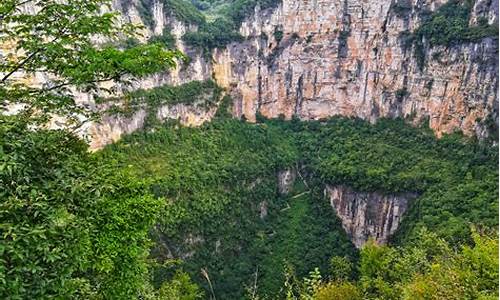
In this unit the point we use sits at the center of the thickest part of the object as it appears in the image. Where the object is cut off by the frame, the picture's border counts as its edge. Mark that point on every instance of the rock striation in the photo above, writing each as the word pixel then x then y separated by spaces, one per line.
pixel 367 215
pixel 350 58
pixel 319 58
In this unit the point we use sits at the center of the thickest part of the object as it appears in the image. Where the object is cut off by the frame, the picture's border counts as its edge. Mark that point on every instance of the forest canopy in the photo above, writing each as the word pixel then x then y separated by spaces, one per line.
pixel 174 212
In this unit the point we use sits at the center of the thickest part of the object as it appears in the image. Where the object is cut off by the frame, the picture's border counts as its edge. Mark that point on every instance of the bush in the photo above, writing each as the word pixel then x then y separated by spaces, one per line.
pixel 449 25
pixel 212 35
pixel 184 11
pixel 166 39
pixel 224 29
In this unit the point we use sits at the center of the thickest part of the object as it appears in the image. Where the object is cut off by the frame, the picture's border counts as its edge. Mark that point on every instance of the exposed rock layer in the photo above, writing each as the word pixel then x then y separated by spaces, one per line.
pixel 367 215
pixel 286 179
pixel 336 57
pixel 348 57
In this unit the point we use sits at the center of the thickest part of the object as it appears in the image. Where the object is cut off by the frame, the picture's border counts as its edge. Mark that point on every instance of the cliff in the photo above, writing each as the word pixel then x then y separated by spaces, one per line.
pixel 367 215
pixel 315 59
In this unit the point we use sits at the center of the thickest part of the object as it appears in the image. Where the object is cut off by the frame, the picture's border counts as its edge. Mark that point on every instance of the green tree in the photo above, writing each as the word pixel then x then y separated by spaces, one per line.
pixel 338 290
pixel 59 40
pixel 179 287
pixel 70 227
pixel 341 268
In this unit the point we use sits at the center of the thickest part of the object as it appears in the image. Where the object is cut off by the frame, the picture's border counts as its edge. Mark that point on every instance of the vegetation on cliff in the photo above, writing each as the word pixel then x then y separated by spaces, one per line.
pixel 450 25
pixel 455 177
pixel 224 28
pixel 203 94
pixel 219 178
pixel 185 213
pixel 85 221
pixel 63 49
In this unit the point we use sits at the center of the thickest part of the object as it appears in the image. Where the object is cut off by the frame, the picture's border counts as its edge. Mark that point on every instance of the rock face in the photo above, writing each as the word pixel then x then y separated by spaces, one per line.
pixel 319 58
pixel 367 215
pixel 286 179
pixel 112 127
pixel 349 58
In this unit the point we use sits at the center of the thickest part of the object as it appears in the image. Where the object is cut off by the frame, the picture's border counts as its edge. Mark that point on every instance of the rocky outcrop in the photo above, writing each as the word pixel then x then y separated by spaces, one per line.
pixel 286 179
pixel 367 215
pixel 350 58
pixel 319 58
pixel 161 19
pixel 341 57
pixel 110 128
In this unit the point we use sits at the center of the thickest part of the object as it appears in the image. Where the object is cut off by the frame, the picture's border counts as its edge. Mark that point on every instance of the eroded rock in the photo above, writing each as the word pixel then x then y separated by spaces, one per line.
pixel 368 215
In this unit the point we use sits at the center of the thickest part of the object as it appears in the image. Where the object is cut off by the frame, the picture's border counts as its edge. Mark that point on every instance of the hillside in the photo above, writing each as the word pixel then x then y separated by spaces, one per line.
pixel 249 149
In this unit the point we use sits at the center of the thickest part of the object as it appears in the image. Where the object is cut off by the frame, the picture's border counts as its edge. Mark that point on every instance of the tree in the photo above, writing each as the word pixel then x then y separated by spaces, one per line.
pixel 59 41
pixel 426 268
pixel 70 227
pixel 341 268
pixel 179 287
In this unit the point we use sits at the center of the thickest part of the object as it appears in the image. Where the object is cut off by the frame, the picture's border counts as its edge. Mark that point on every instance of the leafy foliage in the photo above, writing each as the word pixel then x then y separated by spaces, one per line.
pixel 70 226
pixel 455 177
pixel 180 288
pixel 224 29
pixel 219 177
pixel 184 11
pixel 448 26
pixel 427 268
pixel 64 51
pixel 206 94
pixel 166 39
pixel 216 178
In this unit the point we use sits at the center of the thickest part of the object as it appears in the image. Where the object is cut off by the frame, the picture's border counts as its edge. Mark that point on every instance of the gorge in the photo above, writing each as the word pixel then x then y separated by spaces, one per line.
pixel 348 58
pixel 250 149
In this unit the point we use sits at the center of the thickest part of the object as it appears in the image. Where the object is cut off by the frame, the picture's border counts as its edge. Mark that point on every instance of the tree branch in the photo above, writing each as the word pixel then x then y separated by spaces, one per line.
pixel 20 65
pixel 2 16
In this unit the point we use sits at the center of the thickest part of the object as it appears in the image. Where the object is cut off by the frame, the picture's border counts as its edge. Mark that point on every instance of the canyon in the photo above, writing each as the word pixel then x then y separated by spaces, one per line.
pixel 249 149
pixel 320 58
pixel 345 58
pixel 332 57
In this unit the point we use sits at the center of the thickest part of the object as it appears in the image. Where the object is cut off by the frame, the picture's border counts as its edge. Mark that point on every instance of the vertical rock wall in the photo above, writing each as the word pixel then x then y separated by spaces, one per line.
pixel 349 58
pixel 367 215
pixel 319 58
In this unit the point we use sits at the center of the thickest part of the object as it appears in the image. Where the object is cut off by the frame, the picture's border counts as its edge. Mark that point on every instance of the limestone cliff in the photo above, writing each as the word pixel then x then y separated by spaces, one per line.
pixel 111 127
pixel 315 59
pixel 367 215
pixel 319 58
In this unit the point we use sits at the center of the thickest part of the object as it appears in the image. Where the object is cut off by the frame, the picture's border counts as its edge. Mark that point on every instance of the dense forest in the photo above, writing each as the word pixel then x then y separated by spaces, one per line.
pixel 174 212
pixel 202 189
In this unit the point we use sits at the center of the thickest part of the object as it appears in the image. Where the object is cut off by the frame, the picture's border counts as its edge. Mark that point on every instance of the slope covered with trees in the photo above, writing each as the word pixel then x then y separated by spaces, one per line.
pixel 217 178
pixel 190 213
